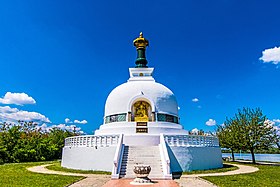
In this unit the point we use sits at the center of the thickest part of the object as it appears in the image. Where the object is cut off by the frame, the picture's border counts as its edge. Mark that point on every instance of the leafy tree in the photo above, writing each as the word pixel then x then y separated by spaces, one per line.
pixel 247 130
pixel 275 136
pixel 228 134
pixel 56 137
pixel 25 142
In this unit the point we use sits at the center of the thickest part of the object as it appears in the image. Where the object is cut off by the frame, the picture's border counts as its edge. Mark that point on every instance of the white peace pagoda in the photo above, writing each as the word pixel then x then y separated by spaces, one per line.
pixel 141 126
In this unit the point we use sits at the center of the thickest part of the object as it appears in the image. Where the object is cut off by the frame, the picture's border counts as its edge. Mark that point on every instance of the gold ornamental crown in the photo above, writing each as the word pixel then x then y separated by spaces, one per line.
pixel 141 42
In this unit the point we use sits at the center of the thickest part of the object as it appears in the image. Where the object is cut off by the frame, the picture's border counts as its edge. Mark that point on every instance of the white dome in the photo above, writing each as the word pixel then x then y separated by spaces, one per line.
pixel 160 97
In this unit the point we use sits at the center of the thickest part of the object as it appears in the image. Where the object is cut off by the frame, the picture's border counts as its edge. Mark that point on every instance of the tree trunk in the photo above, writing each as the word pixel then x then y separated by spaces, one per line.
pixel 232 154
pixel 253 155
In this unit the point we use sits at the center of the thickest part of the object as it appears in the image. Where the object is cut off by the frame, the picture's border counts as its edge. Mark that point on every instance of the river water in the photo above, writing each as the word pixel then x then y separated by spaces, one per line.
pixel 259 157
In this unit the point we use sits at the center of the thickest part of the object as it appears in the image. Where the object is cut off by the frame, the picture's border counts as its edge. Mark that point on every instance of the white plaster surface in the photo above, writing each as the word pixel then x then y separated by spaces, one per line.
pixel 88 158
pixel 120 98
pixel 129 128
pixel 141 140
pixel 194 158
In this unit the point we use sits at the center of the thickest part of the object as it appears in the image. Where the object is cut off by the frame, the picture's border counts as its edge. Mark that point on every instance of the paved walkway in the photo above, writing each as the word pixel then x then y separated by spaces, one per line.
pixel 194 180
pixel 241 170
pixel 94 180
pixel 126 182
pixel 259 162
pixel 91 180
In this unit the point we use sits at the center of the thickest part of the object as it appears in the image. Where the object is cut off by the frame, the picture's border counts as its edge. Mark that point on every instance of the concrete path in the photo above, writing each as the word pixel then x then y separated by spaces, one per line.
pixel 91 180
pixel 241 170
pixel 259 162
pixel 194 180
pixel 126 183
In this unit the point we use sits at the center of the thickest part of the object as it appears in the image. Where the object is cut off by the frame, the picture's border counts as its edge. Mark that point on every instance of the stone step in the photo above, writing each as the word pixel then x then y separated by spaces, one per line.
pixel 134 155
pixel 131 170
pixel 150 164
pixel 150 176
pixel 143 160
pixel 152 172
pixel 139 162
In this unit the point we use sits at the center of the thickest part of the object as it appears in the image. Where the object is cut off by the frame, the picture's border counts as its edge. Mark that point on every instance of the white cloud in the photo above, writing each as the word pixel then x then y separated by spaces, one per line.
pixel 67 127
pixel 70 128
pixel 276 120
pixel 13 115
pixel 67 120
pixel 17 99
pixel 195 100
pixel 271 55
pixel 211 122
pixel 80 122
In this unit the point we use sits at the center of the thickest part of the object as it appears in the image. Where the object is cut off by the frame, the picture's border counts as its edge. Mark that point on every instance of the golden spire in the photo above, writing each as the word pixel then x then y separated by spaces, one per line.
pixel 141 42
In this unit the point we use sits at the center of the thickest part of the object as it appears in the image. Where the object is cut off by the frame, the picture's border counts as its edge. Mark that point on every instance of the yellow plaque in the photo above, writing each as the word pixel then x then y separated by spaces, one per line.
pixel 141 119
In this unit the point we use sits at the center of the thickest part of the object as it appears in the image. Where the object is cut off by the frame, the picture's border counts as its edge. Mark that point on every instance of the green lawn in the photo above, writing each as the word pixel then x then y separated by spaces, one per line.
pixel 57 167
pixel 226 167
pixel 15 175
pixel 266 176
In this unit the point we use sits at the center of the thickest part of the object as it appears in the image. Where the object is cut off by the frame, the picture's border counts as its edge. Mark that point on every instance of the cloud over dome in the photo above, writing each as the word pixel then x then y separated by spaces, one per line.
pixel 271 55
pixel 17 99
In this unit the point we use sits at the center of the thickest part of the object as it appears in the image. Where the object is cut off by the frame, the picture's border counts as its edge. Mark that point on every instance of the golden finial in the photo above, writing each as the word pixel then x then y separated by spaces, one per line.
pixel 141 42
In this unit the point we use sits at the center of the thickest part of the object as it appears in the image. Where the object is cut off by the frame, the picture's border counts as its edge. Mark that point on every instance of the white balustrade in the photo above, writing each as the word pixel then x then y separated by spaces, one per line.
pixel 191 140
pixel 91 141
pixel 164 158
pixel 118 158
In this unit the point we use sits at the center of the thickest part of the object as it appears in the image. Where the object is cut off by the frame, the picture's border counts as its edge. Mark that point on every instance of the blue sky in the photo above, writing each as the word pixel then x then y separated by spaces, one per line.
pixel 66 57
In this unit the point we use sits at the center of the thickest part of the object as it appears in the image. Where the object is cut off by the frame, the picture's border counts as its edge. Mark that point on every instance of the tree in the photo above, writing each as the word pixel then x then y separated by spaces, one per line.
pixel 275 136
pixel 228 134
pixel 247 130
pixel 25 142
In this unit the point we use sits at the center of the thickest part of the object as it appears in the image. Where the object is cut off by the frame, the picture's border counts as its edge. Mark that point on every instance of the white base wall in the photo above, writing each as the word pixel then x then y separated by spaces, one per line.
pixel 194 158
pixel 88 158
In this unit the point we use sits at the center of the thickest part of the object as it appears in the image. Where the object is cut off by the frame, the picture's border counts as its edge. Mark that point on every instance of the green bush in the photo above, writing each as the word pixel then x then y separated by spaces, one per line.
pixel 25 142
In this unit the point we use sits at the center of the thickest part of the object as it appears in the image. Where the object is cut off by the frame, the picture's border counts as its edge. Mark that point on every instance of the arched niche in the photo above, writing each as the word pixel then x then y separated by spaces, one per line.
pixel 141 111
pixel 132 108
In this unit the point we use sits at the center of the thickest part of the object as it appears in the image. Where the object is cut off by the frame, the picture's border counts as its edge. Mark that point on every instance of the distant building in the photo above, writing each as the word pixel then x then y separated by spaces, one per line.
pixel 141 126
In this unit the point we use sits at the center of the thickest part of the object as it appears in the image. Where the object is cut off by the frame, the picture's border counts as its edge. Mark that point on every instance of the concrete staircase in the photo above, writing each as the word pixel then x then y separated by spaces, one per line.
pixel 148 155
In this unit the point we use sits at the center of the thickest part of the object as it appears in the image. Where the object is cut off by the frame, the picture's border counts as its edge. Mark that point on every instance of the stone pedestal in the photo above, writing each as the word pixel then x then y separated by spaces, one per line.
pixel 142 172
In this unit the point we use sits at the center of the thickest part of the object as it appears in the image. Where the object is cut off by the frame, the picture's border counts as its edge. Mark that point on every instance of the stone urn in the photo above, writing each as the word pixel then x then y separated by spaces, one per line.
pixel 142 172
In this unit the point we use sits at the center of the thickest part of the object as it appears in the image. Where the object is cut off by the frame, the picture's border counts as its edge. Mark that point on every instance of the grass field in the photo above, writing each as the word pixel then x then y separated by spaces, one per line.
pixel 57 167
pixel 15 175
pixel 267 176
pixel 226 167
